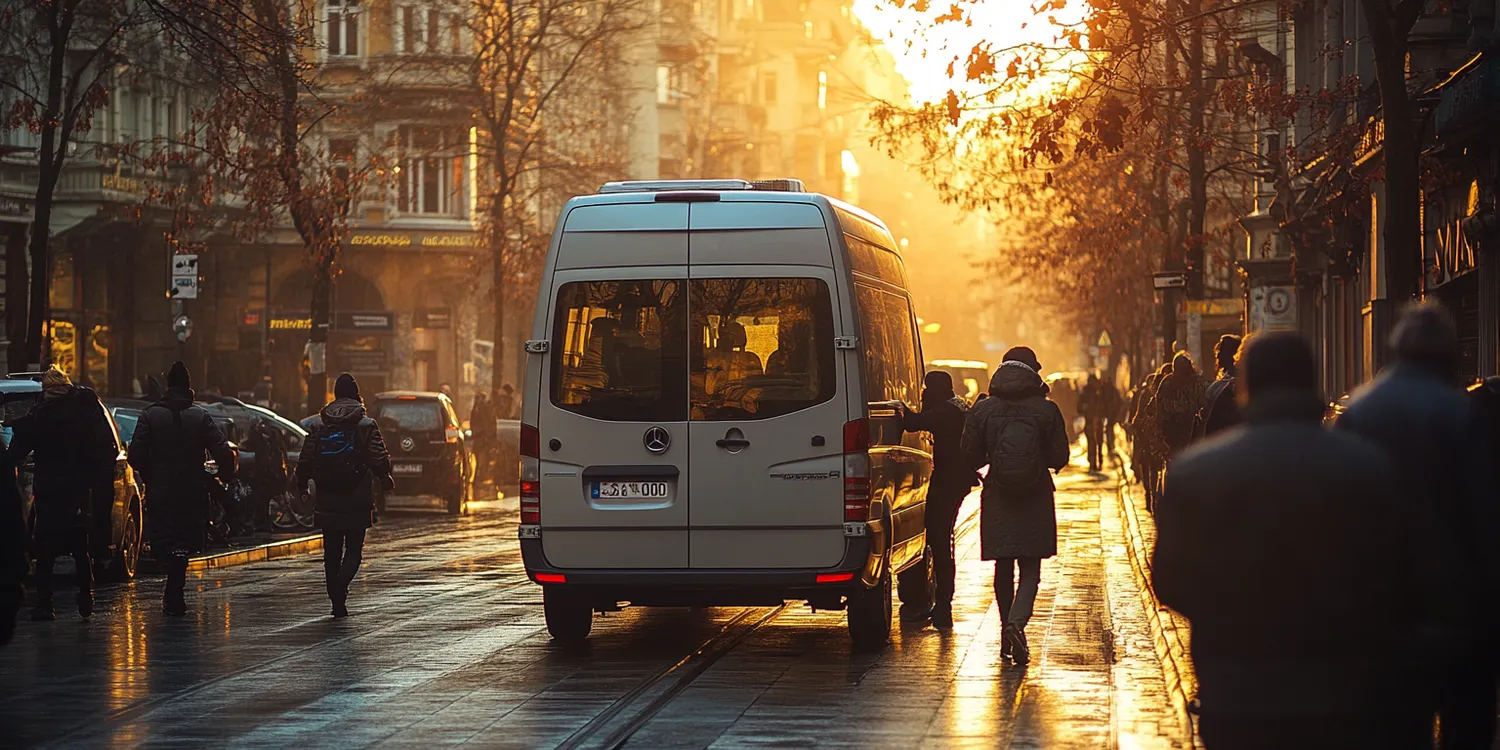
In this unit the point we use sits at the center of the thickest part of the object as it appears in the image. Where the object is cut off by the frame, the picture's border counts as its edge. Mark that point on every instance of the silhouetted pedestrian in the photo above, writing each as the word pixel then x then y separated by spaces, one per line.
pixel 73 449
pixel 1175 408
pixel 1283 543
pixel 342 457
pixel 1220 410
pixel 943 415
pixel 1444 471
pixel 1020 435
pixel 171 442
pixel 12 549
pixel 1093 407
pixel 484 432
pixel 1149 448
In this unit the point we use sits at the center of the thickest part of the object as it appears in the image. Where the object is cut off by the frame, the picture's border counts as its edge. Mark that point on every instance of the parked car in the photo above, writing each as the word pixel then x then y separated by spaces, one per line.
pixel 241 415
pixel 970 377
pixel 430 453
pixel 18 394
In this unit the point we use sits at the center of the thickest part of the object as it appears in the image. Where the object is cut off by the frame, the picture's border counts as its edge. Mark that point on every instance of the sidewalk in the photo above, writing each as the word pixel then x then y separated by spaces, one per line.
pixel 258 547
pixel 1169 629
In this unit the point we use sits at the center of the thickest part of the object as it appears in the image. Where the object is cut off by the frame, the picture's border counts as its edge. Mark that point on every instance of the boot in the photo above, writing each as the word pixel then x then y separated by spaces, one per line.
pixel 1015 638
pixel 85 604
pixel 942 617
pixel 340 598
pixel 173 600
pixel 43 611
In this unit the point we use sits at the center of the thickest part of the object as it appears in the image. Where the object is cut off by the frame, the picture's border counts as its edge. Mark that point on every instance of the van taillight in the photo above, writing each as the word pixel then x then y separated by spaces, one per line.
pixel 857 470
pixel 531 475
pixel 531 441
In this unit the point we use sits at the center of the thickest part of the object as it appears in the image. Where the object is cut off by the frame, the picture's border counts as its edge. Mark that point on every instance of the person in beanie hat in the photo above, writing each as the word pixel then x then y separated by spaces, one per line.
pixel 167 451
pixel 73 451
pixel 342 456
pixel 942 415
pixel 1019 434
pixel 1440 449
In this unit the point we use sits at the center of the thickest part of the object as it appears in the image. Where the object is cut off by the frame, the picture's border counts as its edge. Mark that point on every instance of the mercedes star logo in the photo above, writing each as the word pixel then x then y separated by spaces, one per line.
pixel 407 443
pixel 657 440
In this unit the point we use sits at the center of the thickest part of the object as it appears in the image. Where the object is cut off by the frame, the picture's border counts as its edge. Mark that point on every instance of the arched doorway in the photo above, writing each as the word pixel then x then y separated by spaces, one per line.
pixel 360 340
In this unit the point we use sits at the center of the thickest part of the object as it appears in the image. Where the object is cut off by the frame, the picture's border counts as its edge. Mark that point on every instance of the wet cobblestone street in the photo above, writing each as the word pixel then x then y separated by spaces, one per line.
pixel 447 645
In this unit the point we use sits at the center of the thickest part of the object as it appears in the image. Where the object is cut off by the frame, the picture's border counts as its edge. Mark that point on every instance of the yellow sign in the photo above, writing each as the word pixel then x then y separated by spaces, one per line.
pixel 1216 306
pixel 403 239
pixel 1104 342
pixel 381 240
pixel 291 324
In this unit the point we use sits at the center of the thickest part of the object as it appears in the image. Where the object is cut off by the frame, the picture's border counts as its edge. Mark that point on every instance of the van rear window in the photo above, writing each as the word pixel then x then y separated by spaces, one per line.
pixel 620 350
pixel 759 347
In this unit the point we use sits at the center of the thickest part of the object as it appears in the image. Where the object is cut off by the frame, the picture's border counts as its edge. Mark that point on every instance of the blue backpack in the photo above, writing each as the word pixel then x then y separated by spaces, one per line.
pixel 341 463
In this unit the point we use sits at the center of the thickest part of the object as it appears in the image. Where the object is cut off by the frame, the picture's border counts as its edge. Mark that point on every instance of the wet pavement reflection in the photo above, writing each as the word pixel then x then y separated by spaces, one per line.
pixel 447 645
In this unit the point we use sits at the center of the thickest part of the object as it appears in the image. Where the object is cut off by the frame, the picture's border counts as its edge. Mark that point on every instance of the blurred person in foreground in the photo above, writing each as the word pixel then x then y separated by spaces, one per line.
pixel 342 457
pixel 942 415
pixel 1020 434
pixel 167 452
pixel 73 452
pixel 1282 544
pixel 1444 471
pixel 1220 410
pixel 12 549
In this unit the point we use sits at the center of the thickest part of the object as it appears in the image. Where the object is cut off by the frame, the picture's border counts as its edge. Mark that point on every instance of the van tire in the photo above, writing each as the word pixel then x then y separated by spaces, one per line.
pixel 917 587
pixel 869 613
pixel 569 618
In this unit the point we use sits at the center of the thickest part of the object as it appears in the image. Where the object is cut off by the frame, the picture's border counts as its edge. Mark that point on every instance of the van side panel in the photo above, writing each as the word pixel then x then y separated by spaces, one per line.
pixel 624 235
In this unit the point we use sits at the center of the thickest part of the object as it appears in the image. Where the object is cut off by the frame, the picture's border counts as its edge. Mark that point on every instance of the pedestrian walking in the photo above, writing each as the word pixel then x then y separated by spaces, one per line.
pixel 167 451
pixel 1444 475
pixel 484 429
pixel 1020 435
pixel 342 457
pixel 1093 408
pixel 12 549
pixel 268 471
pixel 73 458
pixel 1149 449
pixel 505 403
pixel 1175 408
pixel 1220 411
pixel 942 415
pixel 1112 405
pixel 1282 544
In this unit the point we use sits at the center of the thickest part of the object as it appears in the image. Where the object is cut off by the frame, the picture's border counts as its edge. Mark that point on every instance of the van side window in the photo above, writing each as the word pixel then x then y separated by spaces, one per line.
pixel 891 371
pixel 759 348
pixel 873 260
pixel 620 350
pixel 904 371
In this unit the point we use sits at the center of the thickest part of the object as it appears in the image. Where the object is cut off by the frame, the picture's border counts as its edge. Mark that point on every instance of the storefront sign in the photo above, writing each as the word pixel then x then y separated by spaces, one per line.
pixel 437 317
pixel 378 321
pixel 363 361
pixel 364 321
pixel 412 240
pixel 1216 306
pixel 291 324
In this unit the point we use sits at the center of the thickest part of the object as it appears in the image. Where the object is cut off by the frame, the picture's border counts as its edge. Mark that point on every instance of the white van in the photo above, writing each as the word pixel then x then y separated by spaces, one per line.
pixel 712 415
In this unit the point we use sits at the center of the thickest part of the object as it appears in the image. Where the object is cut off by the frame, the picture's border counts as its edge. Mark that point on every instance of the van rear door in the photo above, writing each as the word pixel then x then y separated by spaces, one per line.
pixel 612 399
pixel 767 412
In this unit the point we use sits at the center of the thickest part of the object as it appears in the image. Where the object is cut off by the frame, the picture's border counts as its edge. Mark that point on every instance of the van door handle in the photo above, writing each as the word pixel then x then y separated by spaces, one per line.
pixel 732 443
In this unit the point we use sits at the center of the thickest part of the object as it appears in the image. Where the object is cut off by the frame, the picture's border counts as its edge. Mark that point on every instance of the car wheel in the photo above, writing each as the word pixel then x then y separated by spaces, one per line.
pixel 917 587
pixel 569 618
pixel 122 566
pixel 869 613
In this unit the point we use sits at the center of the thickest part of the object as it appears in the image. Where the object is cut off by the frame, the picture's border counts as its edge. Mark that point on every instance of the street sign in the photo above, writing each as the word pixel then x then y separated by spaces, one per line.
pixel 184 287
pixel 185 264
pixel 1169 280
pixel 1104 342
pixel 183 327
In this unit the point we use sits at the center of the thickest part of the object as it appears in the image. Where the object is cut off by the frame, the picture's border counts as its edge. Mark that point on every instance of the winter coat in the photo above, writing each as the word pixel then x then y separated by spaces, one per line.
pixel 1444 480
pixel 345 511
pixel 1016 524
pixel 945 421
pixel 13 566
pixel 1174 410
pixel 171 441
pixel 1220 411
pixel 73 451
pixel 1284 546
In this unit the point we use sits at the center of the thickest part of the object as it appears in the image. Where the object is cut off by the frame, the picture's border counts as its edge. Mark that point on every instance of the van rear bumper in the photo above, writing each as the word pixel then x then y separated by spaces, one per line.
pixel 677 587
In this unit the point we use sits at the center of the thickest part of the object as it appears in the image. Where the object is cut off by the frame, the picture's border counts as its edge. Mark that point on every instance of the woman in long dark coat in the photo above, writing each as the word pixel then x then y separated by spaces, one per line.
pixel 167 452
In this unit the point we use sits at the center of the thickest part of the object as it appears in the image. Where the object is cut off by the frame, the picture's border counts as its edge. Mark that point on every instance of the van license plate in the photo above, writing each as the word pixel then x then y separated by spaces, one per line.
pixel 630 490
pixel 408 469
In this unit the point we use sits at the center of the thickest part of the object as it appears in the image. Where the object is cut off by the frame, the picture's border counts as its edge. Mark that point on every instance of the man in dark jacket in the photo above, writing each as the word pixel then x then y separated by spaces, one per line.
pixel 1019 434
pixel 1093 406
pixel 484 434
pixel 1442 459
pixel 167 451
pixel 1219 410
pixel 1282 543
pixel 943 415
pixel 73 482
pixel 341 457
pixel 12 549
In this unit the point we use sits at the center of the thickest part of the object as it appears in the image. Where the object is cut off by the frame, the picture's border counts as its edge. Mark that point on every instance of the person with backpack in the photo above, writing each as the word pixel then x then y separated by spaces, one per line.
pixel 1220 410
pixel 342 457
pixel 167 452
pixel 942 415
pixel 1020 434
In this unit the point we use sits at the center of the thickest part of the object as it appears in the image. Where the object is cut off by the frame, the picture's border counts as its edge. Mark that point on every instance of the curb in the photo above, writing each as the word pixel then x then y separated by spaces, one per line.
pixel 260 553
pixel 1168 630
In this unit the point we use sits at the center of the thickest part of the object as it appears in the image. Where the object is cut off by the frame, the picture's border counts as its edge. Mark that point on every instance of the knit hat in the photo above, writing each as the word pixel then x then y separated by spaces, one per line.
pixel 346 387
pixel 1024 355
pixel 55 383
pixel 177 377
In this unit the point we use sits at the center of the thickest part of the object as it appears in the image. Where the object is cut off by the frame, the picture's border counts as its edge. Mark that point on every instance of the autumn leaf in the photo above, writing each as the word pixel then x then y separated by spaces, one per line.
pixel 981 63
pixel 1014 68
pixel 954 13
pixel 951 101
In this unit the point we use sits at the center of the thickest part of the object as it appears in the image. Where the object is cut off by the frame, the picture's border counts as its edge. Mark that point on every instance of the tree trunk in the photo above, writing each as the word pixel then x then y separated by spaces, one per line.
pixel 16 292
pixel 1197 159
pixel 1389 28
pixel 317 343
pixel 497 248
pixel 40 239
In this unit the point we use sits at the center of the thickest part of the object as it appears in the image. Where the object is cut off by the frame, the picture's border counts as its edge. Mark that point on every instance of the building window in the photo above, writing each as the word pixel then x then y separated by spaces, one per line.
pixel 663 84
pixel 768 85
pixel 341 153
pixel 426 30
pixel 430 178
pixel 343 28
pixel 807 29
pixel 822 89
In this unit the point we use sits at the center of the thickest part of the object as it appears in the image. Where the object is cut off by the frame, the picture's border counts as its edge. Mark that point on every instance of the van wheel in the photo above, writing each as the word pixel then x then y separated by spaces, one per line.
pixel 569 619
pixel 870 613
pixel 917 587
